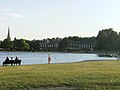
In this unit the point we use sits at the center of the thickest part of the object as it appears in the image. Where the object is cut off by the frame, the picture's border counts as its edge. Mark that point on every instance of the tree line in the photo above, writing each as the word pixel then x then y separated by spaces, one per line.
pixel 107 39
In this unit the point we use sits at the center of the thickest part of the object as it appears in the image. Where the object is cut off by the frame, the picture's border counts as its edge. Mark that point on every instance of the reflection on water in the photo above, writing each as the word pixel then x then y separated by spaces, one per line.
pixel 41 57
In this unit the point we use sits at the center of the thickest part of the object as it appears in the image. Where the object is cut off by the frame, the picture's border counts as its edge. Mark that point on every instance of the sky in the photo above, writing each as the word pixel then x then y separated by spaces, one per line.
pixel 41 19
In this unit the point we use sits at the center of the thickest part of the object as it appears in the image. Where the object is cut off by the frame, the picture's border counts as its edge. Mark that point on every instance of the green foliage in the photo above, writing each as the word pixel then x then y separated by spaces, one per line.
pixel 34 45
pixel 115 45
pixel 97 75
pixel 106 38
pixel 64 44
pixel 21 45
pixel 7 45
pixel 74 38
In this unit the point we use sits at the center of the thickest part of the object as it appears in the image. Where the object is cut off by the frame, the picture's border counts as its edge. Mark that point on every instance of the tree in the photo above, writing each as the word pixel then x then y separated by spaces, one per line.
pixel 34 45
pixel 105 38
pixel 7 45
pixel 64 44
pixel 21 45
pixel 115 45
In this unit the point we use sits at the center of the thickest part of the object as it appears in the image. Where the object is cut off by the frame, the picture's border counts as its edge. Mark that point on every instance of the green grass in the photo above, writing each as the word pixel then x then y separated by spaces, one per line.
pixel 99 75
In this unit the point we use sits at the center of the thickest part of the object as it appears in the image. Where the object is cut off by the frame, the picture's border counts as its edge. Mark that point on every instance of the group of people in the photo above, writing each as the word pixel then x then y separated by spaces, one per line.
pixel 7 59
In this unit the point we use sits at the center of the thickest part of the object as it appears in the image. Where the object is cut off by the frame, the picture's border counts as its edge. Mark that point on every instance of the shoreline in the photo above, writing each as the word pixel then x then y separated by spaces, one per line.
pixel 61 63
pixel 97 60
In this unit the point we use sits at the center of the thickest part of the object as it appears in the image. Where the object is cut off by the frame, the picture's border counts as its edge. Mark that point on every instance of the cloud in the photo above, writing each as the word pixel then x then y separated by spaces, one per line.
pixel 6 13
pixel 14 15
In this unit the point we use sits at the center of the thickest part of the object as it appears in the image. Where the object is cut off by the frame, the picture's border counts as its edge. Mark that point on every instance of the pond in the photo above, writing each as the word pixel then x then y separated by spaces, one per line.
pixel 41 57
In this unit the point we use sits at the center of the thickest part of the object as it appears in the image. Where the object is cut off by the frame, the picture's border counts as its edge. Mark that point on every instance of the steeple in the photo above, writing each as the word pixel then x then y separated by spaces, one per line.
pixel 8 36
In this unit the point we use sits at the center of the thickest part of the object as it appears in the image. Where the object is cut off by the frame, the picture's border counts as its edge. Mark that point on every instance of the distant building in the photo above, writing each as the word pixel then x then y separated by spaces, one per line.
pixel 81 45
pixel 8 36
pixel 50 45
pixel 7 42
pixel 73 45
pixel 8 39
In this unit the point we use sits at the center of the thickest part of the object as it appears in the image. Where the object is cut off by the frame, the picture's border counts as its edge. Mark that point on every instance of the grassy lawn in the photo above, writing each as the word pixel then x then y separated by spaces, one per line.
pixel 99 75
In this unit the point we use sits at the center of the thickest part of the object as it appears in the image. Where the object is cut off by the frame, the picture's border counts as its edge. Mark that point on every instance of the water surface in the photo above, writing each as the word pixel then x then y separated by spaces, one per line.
pixel 41 57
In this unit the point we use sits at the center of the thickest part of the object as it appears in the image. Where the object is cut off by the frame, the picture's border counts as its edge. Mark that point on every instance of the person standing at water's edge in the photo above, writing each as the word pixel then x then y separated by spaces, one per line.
pixel 49 58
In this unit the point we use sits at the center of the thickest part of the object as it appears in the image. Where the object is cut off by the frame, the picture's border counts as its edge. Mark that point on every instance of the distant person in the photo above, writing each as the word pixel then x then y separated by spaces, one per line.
pixel 11 58
pixel 49 58
pixel 7 59
pixel 16 58
pixel 118 57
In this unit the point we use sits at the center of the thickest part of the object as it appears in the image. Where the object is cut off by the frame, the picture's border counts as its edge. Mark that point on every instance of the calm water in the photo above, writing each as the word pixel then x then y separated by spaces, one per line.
pixel 41 57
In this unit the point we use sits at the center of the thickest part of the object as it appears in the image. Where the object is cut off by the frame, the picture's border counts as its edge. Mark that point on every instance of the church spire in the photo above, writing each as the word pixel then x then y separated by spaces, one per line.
pixel 8 36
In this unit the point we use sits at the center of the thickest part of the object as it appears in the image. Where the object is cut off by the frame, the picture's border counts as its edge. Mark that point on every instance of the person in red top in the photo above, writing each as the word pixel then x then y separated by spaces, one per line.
pixel 49 58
